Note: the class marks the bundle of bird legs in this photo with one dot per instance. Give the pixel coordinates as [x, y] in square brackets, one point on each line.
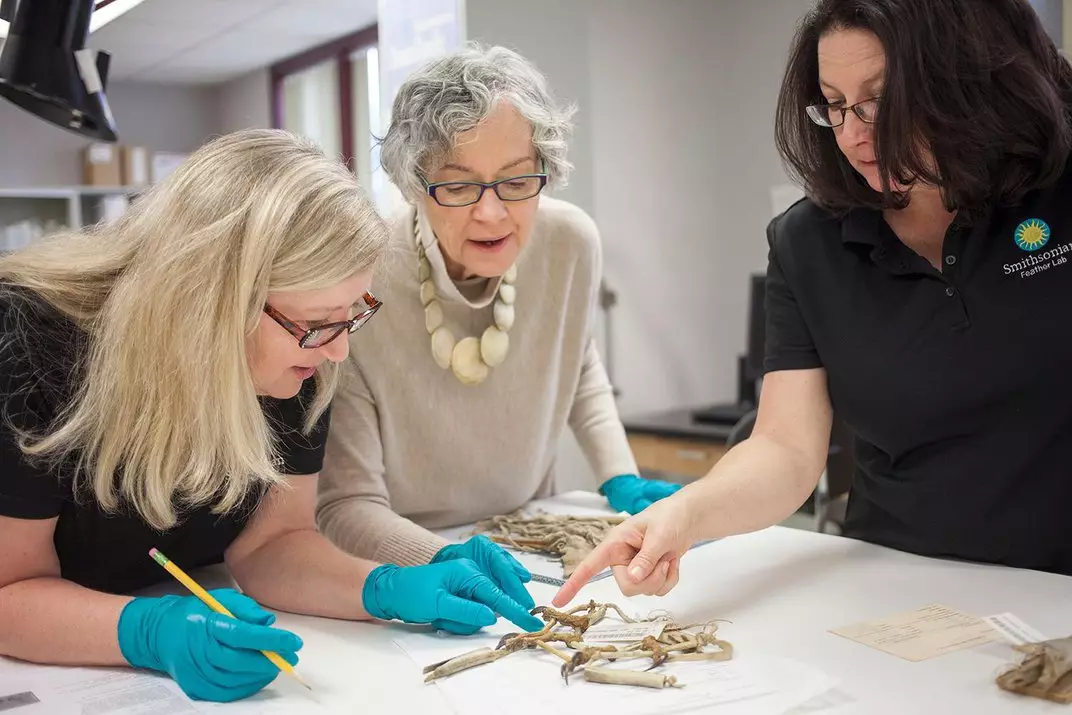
[563, 636]
[566, 537]
[1045, 671]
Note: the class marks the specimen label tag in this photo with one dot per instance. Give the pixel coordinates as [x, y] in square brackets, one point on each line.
[1014, 630]
[623, 632]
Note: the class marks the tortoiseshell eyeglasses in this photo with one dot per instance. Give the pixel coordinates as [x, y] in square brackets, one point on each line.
[320, 335]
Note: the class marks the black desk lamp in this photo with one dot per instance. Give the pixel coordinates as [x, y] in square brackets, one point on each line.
[46, 69]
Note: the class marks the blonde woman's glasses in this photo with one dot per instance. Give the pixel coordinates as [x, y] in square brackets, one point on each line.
[320, 335]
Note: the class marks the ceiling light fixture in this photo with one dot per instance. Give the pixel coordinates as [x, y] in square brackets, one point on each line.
[105, 12]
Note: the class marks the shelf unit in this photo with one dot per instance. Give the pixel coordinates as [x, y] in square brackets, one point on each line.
[45, 208]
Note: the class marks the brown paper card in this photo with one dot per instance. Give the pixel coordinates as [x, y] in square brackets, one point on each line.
[921, 634]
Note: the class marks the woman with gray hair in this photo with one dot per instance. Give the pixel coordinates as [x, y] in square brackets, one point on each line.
[458, 405]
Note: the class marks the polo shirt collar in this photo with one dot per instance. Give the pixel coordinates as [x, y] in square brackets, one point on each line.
[866, 226]
[862, 225]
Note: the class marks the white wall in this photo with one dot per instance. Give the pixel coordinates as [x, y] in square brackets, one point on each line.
[1066, 15]
[656, 78]
[244, 102]
[164, 118]
[1050, 12]
[553, 34]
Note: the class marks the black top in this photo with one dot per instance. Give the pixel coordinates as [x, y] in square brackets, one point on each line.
[109, 552]
[957, 384]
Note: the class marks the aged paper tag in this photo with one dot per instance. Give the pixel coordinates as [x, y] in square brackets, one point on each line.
[922, 634]
[623, 632]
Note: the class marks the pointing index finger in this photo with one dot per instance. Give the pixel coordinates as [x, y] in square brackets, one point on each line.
[594, 563]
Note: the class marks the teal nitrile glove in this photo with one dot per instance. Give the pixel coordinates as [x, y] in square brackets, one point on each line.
[502, 568]
[211, 657]
[633, 494]
[453, 596]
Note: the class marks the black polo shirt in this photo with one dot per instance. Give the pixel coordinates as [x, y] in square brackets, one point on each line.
[109, 552]
[956, 383]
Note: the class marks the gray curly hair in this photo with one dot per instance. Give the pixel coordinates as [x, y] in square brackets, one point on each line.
[453, 94]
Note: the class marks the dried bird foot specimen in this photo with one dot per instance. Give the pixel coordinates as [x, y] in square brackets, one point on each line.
[457, 664]
[1045, 672]
[568, 538]
[574, 618]
[567, 628]
[613, 676]
[609, 676]
[585, 656]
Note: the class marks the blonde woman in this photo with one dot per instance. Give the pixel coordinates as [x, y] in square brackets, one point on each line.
[165, 382]
[458, 406]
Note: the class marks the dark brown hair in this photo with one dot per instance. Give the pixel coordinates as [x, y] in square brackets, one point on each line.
[978, 83]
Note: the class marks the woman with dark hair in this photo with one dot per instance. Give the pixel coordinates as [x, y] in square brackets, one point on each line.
[921, 291]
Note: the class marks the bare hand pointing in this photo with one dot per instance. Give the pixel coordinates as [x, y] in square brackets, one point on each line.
[643, 552]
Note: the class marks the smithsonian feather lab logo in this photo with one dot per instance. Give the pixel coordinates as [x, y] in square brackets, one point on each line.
[1031, 236]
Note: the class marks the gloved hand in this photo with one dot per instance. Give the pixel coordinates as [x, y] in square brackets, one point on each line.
[210, 656]
[502, 568]
[633, 494]
[453, 596]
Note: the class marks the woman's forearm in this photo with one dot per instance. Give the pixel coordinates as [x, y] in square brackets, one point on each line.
[303, 572]
[49, 620]
[371, 530]
[758, 483]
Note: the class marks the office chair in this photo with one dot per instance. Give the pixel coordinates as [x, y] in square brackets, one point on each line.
[742, 429]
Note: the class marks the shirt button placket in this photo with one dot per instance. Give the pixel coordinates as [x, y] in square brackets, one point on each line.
[950, 260]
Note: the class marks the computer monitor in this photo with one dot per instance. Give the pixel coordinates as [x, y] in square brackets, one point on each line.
[749, 363]
[757, 326]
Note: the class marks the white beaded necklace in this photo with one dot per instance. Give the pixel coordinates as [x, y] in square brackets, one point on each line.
[470, 358]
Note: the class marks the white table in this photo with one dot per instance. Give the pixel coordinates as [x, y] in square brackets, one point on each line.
[782, 589]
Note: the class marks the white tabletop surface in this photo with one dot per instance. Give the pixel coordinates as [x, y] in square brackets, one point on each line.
[782, 590]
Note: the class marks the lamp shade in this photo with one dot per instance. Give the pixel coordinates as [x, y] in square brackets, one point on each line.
[46, 69]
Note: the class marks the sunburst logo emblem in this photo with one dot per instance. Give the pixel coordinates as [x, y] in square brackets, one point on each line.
[1032, 234]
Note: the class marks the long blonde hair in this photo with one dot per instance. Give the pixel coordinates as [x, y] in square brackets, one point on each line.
[169, 296]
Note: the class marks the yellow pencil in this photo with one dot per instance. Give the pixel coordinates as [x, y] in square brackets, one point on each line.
[218, 607]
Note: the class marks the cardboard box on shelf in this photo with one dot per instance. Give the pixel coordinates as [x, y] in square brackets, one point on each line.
[165, 162]
[100, 165]
[135, 163]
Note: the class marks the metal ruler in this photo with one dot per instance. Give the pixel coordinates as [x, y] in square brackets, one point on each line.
[552, 581]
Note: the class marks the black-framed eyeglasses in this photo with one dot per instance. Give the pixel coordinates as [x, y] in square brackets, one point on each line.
[463, 193]
[321, 335]
[833, 115]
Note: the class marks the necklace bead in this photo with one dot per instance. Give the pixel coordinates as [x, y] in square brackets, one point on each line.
[470, 359]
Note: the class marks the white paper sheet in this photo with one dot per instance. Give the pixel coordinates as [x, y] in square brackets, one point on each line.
[529, 683]
[92, 691]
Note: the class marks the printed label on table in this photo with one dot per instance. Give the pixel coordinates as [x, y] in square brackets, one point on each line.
[623, 632]
[922, 634]
[1014, 630]
[17, 700]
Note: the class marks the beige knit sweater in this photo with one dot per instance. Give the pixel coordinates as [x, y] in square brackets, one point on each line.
[411, 448]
